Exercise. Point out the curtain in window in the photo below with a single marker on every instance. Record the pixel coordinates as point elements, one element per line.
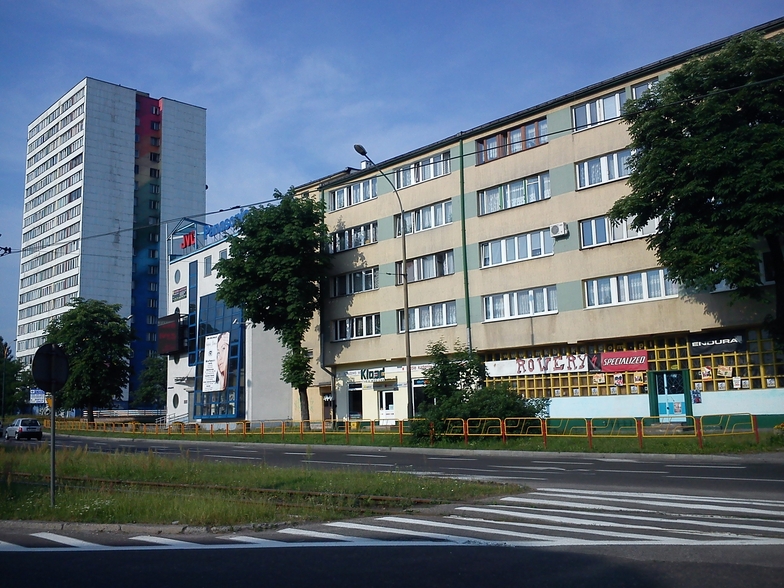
<point>485,250</point>
<point>536,244</point>
<point>635,287</point>
<point>515,140</point>
<point>654,284</point>
<point>594,171</point>
<point>492,200</point>
<point>498,306</point>
<point>605,290</point>
<point>429,267</point>
<point>623,162</point>
<point>552,299</point>
<point>438,315</point>
<point>543,131</point>
<point>516,193</point>
<point>530,136</point>
<point>490,148</point>
<point>427,218</point>
<point>424,317</point>
<point>447,212</point>
<point>451,313</point>
<point>439,215</point>
<point>532,189</point>
<point>538,300</point>
<point>670,287</point>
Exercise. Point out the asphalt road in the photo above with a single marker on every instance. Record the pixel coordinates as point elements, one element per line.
<point>587,520</point>
<point>755,475</point>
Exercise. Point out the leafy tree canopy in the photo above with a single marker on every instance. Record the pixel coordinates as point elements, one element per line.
<point>97,341</point>
<point>456,389</point>
<point>709,164</point>
<point>16,381</point>
<point>278,260</point>
<point>152,383</point>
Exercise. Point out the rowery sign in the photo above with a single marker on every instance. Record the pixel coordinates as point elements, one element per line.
<point>617,361</point>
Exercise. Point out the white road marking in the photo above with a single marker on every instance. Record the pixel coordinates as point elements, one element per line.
<point>726,479</point>
<point>367,455</point>
<point>537,468</point>
<point>70,541</point>
<point>451,458</point>
<point>295,453</point>
<point>713,467</point>
<point>232,456</point>
<point>562,462</point>
<point>395,531</point>
<point>318,534</point>
<point>164,541</point>
<point>681,497</point>
<point>252,540</point>
<point>11,547</point>
<point>631,472</point>
<point>351,463</point>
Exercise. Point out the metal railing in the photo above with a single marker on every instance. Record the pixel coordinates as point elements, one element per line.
<point>397,432</point>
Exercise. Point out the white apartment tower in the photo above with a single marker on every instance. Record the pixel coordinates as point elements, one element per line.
<point>104,165</point>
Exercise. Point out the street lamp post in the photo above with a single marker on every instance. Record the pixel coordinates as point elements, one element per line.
<point>409,385</point>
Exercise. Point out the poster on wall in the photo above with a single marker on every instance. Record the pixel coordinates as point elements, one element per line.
<point>537,365</point>
<point>216,362</point>
<point>624,361</point>
<point>716,343</point>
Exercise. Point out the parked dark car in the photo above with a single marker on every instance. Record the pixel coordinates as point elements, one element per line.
<point>24,429</point>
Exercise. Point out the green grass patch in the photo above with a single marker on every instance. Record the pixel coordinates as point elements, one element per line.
<point>133,488</point>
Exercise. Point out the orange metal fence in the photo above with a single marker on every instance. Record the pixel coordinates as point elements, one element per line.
<point>485,428</point>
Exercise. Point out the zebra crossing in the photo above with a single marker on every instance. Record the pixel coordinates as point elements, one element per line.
<point>550,517</point>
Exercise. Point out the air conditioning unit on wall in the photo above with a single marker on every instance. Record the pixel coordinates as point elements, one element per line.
<point>559,230</point>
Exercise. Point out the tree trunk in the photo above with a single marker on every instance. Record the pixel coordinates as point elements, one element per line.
<point>303,403</point>
<point>90,413</point>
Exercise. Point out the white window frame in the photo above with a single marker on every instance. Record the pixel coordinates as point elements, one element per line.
<point>514,194</point>
<point>612,166</point>
<point>427,267</point>
<point>520,304</point>
<point>613,233</point>
<point>354,237</point>
<point>639,89</point>
<point>426,218</point>
<point>600,110</point>
<point>353,194</point>
<point>358,327</point>
<point>426,315</point>
<point>346,284</point>
<point>423,170</point>
<point>510,141</point>
<point>630,288</point>
<point>516,248</point>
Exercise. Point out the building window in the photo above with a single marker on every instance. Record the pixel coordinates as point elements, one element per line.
<point>152,319</point>
<point>423,170</point>
<point>354,237</point>
<point>599,231</point>
<point>155,157</point>
<point>155,172</point>
<point>598,111</point>
<point>154,205</point>
<point>152,286</point>
<point>516,248</point>
<point>156,110</point>
<point>355,282</point>
<point>640,89</point>
<point>430,316</point>
<point>521,303</point>
<point>152,270</point>
<point>353,194</point>
<point>155,141</point>
<point>428,217</point>
<point>601,170</point>
<point>152,220</point>
<point>208,265</point>
<point>155,126</point>
<point>512,141</point>
<point>427,267</point>
<point>151,337</point>
<point>224,253</point>
<point>152,253</point>
<point>518,193</point>
<point>155,189</point>
<point>357,327</point>
<point>153,237</point>
<point>136,169</point>
<point>152,303</point>
<point>634,287</point>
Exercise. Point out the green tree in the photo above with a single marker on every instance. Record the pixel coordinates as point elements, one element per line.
<point>278,260</point>
<point>16,381</point>
<point>709,164</point>
<point>456,389</point>
<point>152,383</point>
<point>97,341</point>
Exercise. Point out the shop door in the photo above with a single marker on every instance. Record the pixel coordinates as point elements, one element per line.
<point>386,411</point>
<point>669,396</point>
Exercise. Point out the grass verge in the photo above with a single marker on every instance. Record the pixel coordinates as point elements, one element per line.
<point>131,488</point>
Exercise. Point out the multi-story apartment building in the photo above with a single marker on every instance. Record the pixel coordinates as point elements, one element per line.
<point>510,251</point>
<point>104,165</point>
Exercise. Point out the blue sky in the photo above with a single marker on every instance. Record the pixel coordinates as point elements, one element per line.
<point>289,87</point>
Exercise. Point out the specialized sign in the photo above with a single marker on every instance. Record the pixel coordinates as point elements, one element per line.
<point>537,365</point>
<point>224,225</point>
<point>716,343</point>
<point>625,361</point>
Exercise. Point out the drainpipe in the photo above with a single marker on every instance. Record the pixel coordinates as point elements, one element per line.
<point>465,250</point>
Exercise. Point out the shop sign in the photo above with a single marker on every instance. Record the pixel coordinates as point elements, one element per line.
<point>625,361</point>
<point>372,375</point>
<point>716,343</point>
<point>538,365</point>
<point>179,294</point>
<point>224,225</point>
